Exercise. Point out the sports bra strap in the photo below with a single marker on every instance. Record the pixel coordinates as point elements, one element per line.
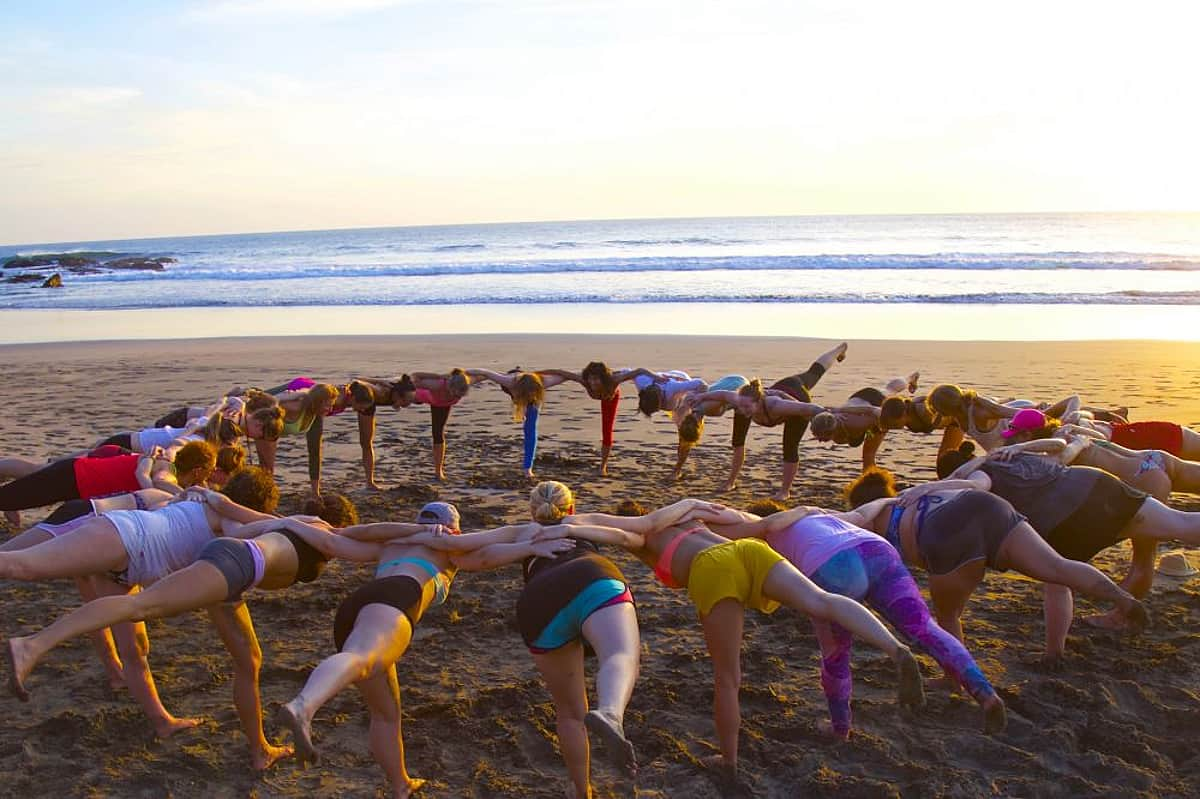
<point>662,569</point>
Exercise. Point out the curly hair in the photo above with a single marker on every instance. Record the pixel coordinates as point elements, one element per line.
<point>337,509</point>
<point>872,484</point>
<point>254,488</point>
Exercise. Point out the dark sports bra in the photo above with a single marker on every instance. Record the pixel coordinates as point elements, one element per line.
<point>915,423</point>
<point>310,560</point>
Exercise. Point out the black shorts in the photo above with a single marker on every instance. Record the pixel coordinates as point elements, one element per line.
<point>1099,522</point>
<point>553,588</point>
<point>972,526</point>
<point>176,418</point>
<point>872,395</point>
<point>122,440</point>
<point>399,591</point>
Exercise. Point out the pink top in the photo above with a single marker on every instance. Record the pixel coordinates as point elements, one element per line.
<point>810,542</point>
<point>439,398</point>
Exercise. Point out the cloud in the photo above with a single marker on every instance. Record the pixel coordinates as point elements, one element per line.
<point>86,98</point>
<point>233,10</point>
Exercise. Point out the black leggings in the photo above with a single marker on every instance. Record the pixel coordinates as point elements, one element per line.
<point>797,387</point>
<point>438,417</point>
<point>122,440</point>
<point>176,418</point>
<point>50,484</point>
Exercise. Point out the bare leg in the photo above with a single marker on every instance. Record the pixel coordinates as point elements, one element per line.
<point>1058,607</point>
<point>835,355</point>
<point>1138,581</point>
<point>24,540</point>
<point>562,670</point>
<point>237,632</point>
<point>1028,553</point>
<point>950,593</point>
<point>12,468</point>
<point>1162,523</point>
<point>381,635</point>
<point>381,692</point>
<point>787,585</point>
<point>1190,451</point>
<point>605,452</point>
<point>439,460</point>
<point>613,633</point>
<point>790,468</point>
<point>723,635</point>
<point>102,640</point>
<point>93,548</point>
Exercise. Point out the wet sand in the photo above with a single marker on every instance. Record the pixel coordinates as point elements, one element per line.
<point>1118,720</point>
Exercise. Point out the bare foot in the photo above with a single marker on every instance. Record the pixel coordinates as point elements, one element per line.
<point>439,476</point>
<point>19,667</point>
<point>718,764</point>
<point>995,718</point>
<point>726,488</point>
<point>13,517</point>
<point>913,380</point>
<point>265,759</point>
<point>1113,620</point>
<point>781,495</point>
<point>171,725</point>
<point>942,683</point>
<point>608,727</point>
<point>529,475</point>
<point>908,678</point>
<point>826,729</point>
<point>408,788</point>
<point>301,727</point>
<point>841,351</point>
<point>1138,617</point>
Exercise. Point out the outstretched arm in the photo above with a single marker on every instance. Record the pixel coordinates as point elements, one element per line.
<point>487,374</point>
<point>387,531</point>
<point>333,545</point>
<point>598,534</point>
<point>490,557</point>
<point>228,509</point>
<point>561,374</point>
<point>782,407</point>
<point>469,542</point>
<point>683,510</point>
<point>864,515</point>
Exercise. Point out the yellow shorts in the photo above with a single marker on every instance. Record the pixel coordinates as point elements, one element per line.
<point>735,570</point>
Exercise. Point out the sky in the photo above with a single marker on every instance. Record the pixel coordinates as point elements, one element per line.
<point>130,119</point>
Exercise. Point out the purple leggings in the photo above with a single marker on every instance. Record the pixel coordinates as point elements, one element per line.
<point>872,572</point>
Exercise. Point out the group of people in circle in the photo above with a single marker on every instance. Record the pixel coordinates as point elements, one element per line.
<point>174,510</point>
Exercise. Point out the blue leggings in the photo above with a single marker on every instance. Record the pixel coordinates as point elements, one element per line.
<point>873,572</point>
<point>531,436</point>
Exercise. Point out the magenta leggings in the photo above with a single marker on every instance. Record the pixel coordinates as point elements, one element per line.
<point>872,572</point>
<point>608,417</point>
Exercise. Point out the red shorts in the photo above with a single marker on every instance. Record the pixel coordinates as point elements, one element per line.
<point>1166,436</point>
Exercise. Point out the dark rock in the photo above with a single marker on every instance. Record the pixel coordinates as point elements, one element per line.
<point>53,282</point>
<point>155,264</point>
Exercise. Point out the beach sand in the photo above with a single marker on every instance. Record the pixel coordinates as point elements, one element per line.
<point>1118,720</point>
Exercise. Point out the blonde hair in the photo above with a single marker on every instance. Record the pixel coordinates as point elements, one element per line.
<point>314,398</point>
<point>550,501</point>
<point>458,382</point>
<point>527,390</point>
<point>754,390</point>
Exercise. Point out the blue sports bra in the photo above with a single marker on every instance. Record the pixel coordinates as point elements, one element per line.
<point>441,583</point>
<point>893,530</point>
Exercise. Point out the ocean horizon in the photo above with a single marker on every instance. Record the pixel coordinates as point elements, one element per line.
<point>1136,258</point>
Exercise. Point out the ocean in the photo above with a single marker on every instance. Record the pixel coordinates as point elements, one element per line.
<point>772,263</point>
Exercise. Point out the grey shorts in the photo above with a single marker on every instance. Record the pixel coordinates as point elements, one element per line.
<point>236,561</point>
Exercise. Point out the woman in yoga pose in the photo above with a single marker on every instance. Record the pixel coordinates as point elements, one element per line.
<point>603,384</point>
<point>374,627</point>
<point>527,391</point>
<point>440,392</point>
<point>725,577</point>
<point>984,420</point>
<point>845,559</point>
<point>106,470</point>
<point>957,530</point>
<point>575,596</point>
<point>125,548</point>
<point>270,554</point>
<point>753,403</point>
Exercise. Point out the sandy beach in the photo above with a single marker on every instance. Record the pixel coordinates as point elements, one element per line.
<point>1118,720</point>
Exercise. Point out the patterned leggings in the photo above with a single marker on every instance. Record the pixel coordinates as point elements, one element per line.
<point>873,573</point>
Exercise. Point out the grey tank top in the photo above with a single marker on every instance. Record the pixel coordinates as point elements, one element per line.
<point>1041,488</point>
